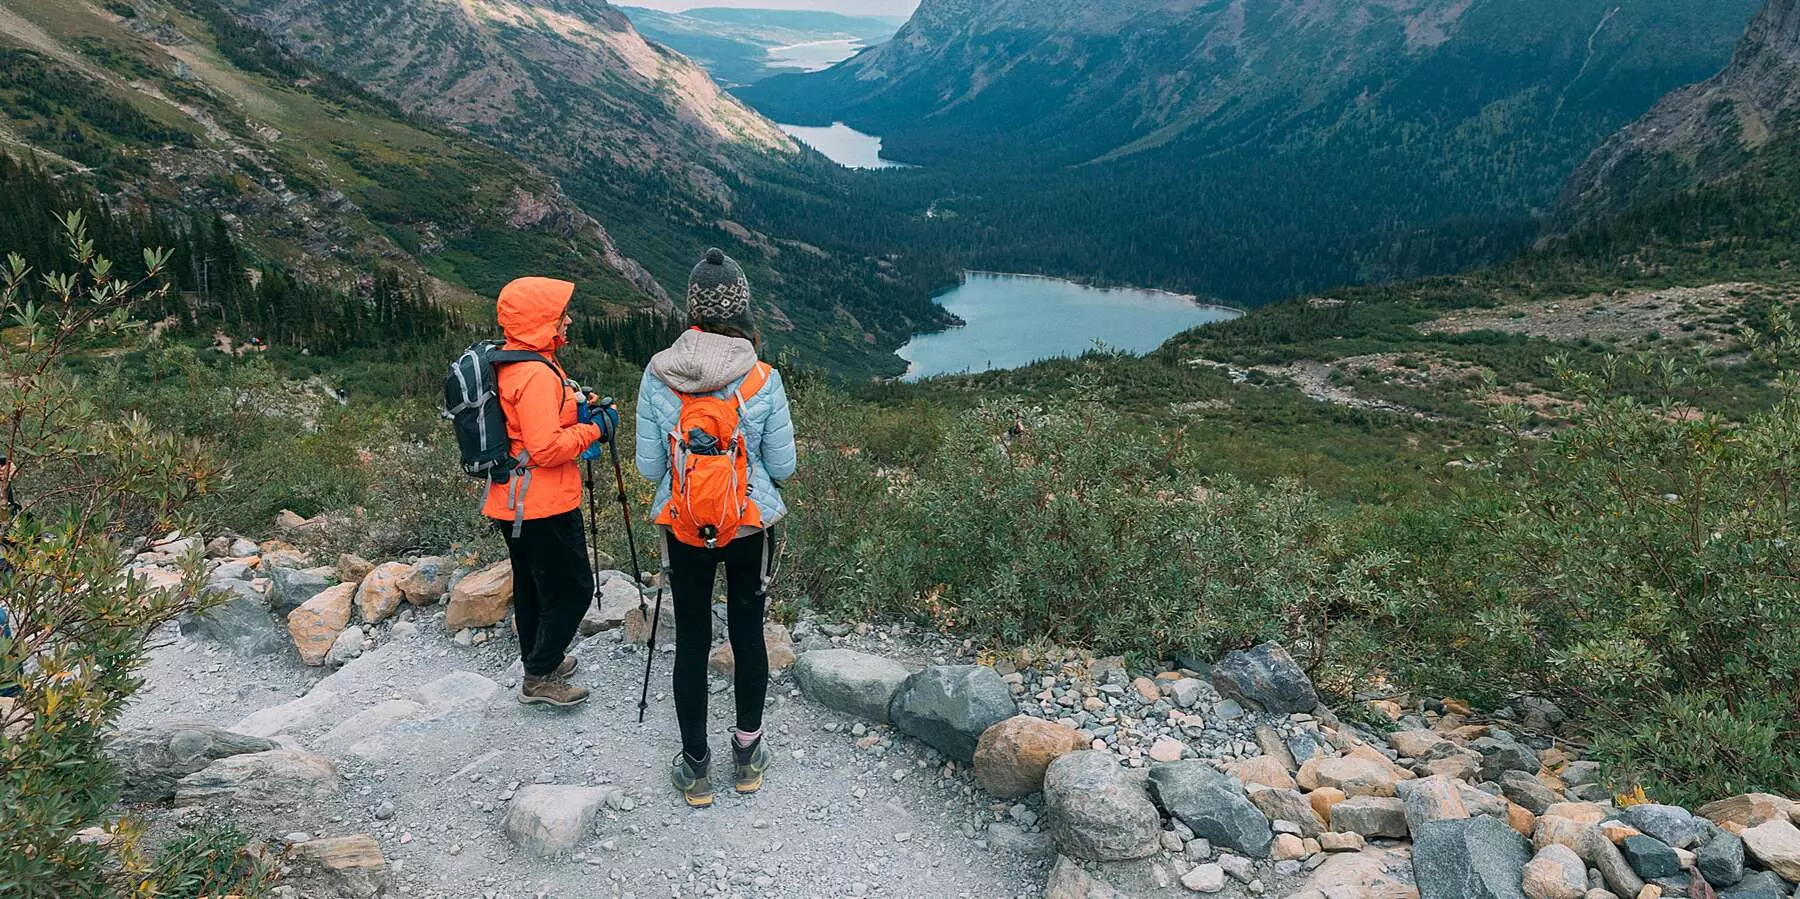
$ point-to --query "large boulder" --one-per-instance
(1012, 756)
(1721, 859)
(241, 621)
(1470, 858)
(1097, 810)
(1556, 872)
(426, 581)
(315, 626)
(277, 778)
(854, 682)
(951, 706)
(151, 759)
(481, 599)
(1650, 857)
(1265, 677)
(378, 596)
(1671, 824)
(1748, 809)
(1777, 845)
(1355, 775)
(549, 820)
(1212, 805)
(614, 601)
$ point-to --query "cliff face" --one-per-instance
(1706, 132)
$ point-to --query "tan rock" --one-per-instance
(1167, 749)
(1288, 846)
(1617, 832)
(1323, 799)
(352, 568)
(1749, 809)
(1433, 799)
(1556, 872)
(1369, 874)
(1386, 708)
(1377, 757)
(318, 621)
(1560, 832)
(1584, 812)
(1554, 758)
(1263, 770)
(1146, 689)
(1286, 805)
(1465, 733)
(1355, 776)
(637, 625)
(1733, 828)
(1462, 764)
(1650, 891)
(1777, 845)
(1341, 842)
(289, 520)
(1414, 743)
(1457, 707)
(481, 599)
(1011, 757)
(1311, 846)
(778, 643)
(378, 596)
(427, 579)
(343, 853)
(1521, 819)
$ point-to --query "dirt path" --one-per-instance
(833, 819)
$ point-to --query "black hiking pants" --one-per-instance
(553, 586)
(692, 570)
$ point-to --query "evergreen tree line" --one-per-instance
(218, 285)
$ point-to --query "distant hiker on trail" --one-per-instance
(538, 510)
(713, 430)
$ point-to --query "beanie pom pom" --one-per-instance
(715, 256)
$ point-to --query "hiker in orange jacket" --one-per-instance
(548, 424)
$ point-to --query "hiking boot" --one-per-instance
(549, 691)
(749, 763)
(691, 780)
(568, 666)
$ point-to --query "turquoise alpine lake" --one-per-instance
(844, 145)
(1015, 320)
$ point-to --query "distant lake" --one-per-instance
(814, 56)
(844, 145)
(1014, 320)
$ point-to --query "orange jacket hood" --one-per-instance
(530, 311)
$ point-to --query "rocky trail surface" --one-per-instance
(358, 722)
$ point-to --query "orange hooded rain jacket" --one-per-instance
(539, 404)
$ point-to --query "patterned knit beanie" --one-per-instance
(717, 294)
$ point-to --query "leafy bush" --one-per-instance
(210, 861)
(79, 624)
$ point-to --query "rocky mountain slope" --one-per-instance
(176, 107)
(1709, 131)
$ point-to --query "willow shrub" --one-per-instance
(1028, 524)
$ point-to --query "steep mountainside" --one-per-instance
(1707, 132)
(1283, 144)
(176, 108)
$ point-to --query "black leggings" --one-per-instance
(691, 573)
(553, 585)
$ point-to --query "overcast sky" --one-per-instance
(865, 7)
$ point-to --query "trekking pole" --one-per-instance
(593, 529)
(637, 571)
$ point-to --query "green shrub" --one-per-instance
(211, 861)
(1692, 748)
(87, 475)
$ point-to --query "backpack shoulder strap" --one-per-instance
(754, 381)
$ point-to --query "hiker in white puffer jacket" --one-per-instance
(717, 357)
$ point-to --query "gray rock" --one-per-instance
(1757, 885)
(277, 778)
(1068, 881)
(1186, 691)
(848, 681)
(1614, 870)
(232, 571)
(949, 706)
(1500, 754)
(1097, 810)
(1304, 745)
(548, 821)
(241, 622)
(1541, 715)
(1005, 837)
(1577, 774)
(1241, 869)
(1671, 824)
(1469, 858)
(347, 646)
(1721, 859)
(291, 588)
(1527, 791)
(1371, 816)
(1212, 805)
(151, 759)
(1267, 678)
(287, 716)
(1651, 858)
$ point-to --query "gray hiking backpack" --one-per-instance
(472, 404)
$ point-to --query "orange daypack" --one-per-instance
(709, 465)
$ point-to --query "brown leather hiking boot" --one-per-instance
(566, 668)
(550, 691)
